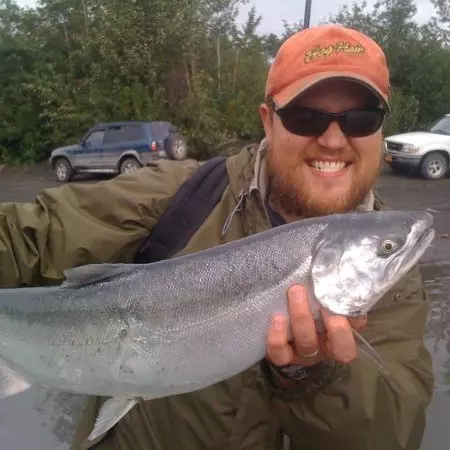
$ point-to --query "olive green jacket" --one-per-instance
(339, 407)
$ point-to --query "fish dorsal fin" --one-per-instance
(93, 273)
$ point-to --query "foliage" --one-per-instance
(68, 64)
(418, 57)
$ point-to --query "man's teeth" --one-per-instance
(328, 166)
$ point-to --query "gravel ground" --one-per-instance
(42, 420)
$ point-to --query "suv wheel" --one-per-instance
(129, 165)
(176, 147)
(63, 170)
(434, 166)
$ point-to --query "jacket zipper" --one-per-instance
(237, 208)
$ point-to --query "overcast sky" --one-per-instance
(273, 12)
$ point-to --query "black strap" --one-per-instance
(187, 210)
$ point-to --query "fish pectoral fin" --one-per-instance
(366, 349)
(11, 383)
(92, 273)
(110, 413)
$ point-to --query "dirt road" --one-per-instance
(40, 420)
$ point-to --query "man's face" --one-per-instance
(331, 173)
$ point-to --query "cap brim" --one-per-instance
(299, 87)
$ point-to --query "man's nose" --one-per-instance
(333, 137)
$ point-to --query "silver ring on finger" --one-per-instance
(312, 355)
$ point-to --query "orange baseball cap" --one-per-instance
(323, 52)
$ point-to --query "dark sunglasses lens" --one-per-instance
(361, 123)
(303, 121)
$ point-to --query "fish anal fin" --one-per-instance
(92, 273)
(110, 413)
(11, 383)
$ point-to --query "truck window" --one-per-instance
(133, 132)
(95, 138)
(113, 135)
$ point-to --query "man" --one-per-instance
(326, 96)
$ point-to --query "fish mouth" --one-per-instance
(417, 243)
(424, 241)
(424, 235)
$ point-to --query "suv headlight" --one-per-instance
(409, 148)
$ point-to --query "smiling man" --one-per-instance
(329, 90)
(318, 165)
(326, 98)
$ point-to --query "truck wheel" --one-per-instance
(129, 164)
(434, 166)
(63, 170)
(176, 147)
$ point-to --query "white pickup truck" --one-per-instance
(427, 152)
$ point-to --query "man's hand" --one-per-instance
(308, 347)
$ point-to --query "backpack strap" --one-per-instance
(187, 210)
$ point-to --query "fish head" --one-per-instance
(361, 256)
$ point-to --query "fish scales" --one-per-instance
(131, 331)
(177, 311)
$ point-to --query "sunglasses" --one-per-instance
(309, 122)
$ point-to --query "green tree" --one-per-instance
(72, 63)
(417, 55)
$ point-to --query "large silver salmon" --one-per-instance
(146, 331)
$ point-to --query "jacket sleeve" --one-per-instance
(353, 407)
(79, 224)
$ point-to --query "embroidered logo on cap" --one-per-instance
(340, 47)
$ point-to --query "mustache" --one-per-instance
(316, 152)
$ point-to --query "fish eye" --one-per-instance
(388, 246)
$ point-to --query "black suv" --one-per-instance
(118, 148)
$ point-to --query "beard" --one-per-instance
(297, 198)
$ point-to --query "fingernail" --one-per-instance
(278, 323)
(297, 293)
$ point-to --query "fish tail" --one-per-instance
(367, 349)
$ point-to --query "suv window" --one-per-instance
(124, 133)
(442, 126)
(133, 132)
(95, 138)
(113, 134)
(160, 130)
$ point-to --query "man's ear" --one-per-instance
(266, 114)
